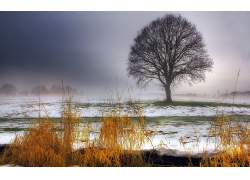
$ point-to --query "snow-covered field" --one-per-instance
(171, 122)
(30, 107)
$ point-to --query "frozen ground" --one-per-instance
(30, 107)
(171, 122)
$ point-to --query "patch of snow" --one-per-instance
(20, 108)
(172, 131)
(10, 165)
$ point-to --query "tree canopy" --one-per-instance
(8, 89)
(170, 50)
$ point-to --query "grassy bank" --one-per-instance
(197, 104)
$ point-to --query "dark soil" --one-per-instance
(153, 159)
(170, 161)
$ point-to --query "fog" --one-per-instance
(88, 50)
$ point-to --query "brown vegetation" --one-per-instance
(119, 142)
(48, 143)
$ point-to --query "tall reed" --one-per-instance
(232, 143)
(48, 143)
(45, 143)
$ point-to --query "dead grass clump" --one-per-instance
(45, 143)
(120, 142)
(40, 146)
(232, 143)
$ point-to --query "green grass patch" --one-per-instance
(178, 118)
(14, 129)
(167, 133)
(197, 104)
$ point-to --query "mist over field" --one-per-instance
(49, 56)
(89, 50)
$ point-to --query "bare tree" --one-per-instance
(171, 50)
(56, 89)
(39, 90)
(8, 89)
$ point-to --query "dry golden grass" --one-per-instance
(46, 143)
(232, 143)
(41, 146)
(50, 144)
(119, 142)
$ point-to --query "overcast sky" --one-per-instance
(88, 50)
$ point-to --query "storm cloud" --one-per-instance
(90, 49)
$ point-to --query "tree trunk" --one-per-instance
(168, 93)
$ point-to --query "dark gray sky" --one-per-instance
(88, 50)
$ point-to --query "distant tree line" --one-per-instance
(9, 90)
